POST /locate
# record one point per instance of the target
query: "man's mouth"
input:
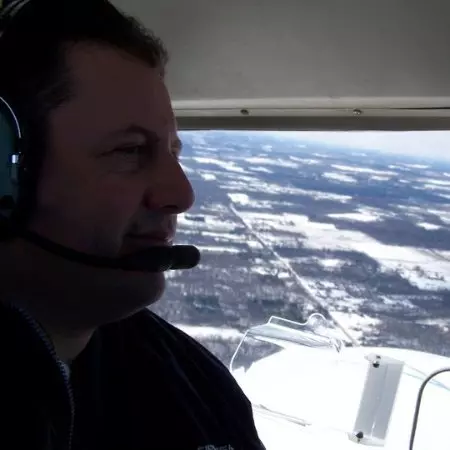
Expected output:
(152, 239)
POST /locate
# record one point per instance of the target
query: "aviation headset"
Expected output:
(13, 171)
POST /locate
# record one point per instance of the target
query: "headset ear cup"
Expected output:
(9, 139)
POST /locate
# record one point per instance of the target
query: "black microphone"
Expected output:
(153, 259)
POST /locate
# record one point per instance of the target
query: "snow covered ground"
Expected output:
(290, 228)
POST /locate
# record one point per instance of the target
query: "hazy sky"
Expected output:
(435, 144)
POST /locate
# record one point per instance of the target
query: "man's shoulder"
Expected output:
(185, 355)
(196, 368)
(188, 384)
(148, 325)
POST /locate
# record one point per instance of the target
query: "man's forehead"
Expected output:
(113, 91)
(100, 71)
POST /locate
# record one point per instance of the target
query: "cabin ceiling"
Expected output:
(302, 64)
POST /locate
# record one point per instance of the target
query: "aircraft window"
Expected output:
(355, 226)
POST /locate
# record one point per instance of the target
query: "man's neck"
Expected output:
(67, 344)
(20, 289)
(69, 347)
(68, 299)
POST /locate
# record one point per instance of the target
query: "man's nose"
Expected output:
(169, 188)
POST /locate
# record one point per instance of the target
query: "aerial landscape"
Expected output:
(288, 226)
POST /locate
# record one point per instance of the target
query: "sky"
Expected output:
(434, 144)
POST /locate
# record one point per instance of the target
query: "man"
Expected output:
(84, 364)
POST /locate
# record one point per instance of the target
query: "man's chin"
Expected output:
(151, 284)
(130, 293)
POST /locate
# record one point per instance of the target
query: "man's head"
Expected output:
(87, 86)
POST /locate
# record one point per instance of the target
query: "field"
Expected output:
(288, 227)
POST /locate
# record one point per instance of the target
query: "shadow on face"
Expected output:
(111, 182)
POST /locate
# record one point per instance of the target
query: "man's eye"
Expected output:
(141, 154)
(132, 150)
(130, 158)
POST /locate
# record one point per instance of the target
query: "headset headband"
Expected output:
(9, 9)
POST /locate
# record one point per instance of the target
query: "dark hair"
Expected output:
(34, 78)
